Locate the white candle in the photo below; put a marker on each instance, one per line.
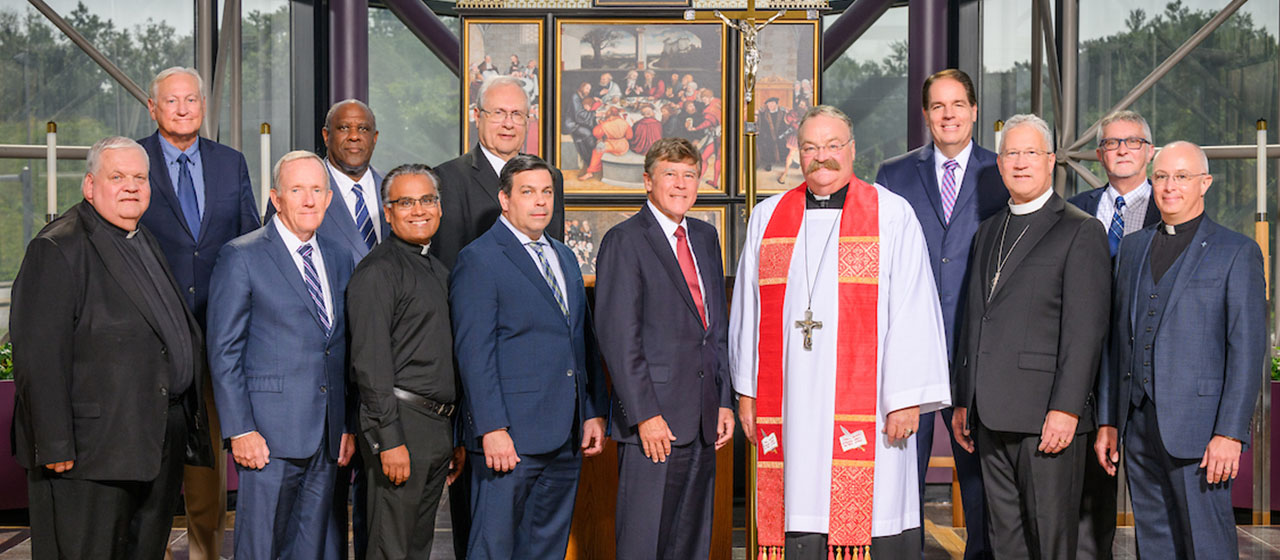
(51, 161)
(1262, 167)
(264, 181)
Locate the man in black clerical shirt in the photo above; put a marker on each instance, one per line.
(109, 366)
(402, 360)
(1179, 380)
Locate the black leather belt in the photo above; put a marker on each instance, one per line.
(442, 409)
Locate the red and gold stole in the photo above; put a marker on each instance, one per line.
(854, 432)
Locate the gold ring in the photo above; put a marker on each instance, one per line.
(1063, 441)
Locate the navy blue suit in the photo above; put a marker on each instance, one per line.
(1088, 201)
(527, 368)
(276, 371)
(913, 176)
(229, 212)
(1208, 352)
(663, 361)
(1098, 503)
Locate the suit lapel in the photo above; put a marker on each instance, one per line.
(160, 178)
(970, 182)
(382, 212)
(279, 254)
(114, 263)
(704, 250)
(662, 250)
(568, 268)
(1037, 227)
(331, 271)
(208, 167)
(929, 180)
(1200, 246)
(523, 262)
(483, 174)
(1145, 237)
(341, 217)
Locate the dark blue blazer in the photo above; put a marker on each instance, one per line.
(1088, 201)
(661, 359)
(230, 211)
(982, 194)
(523, 366)
(338, 223)
(274, 369)
(1210, 345)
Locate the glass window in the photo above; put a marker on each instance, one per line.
(413, 94)
(869, 83)
(1004, 88)
(1214, 96)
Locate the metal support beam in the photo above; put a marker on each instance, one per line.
(927, 53)
(1084, 173)
(847, 28)
(1159, 72)
(206, 34)
(1037, 60)
(39, 151)
(1069, 50)
(111, 69)
(349, 54)
(1051, 54)
(226, 77)
(427, 27)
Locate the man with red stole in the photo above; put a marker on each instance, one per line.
(836, 346)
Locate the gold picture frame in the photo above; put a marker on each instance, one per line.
(585, 226)
(522, 42)
(789, 58)
(608, 71)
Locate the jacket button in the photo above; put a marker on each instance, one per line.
(324, 389)
(699, 375)
(164, 350)
(326, 352)
(196, 254)
(946, 260)
(569, 373)
(191, 290)
(1128, 375)
(164, 391)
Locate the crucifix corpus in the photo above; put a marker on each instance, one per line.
(745, 22)
(806, 326)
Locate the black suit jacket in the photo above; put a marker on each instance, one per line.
(469, 204)
(230, 211)
(660, 358)
(1088, 201)
(91, 367)
(1036, 345)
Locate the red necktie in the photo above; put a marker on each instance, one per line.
(685, 256)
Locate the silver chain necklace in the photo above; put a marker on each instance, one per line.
(1001, 260)
(808, 324)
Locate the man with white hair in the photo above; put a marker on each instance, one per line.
(1188, 338)
(826, 380)
(202, 198)
(1035, 319)
(109, 367)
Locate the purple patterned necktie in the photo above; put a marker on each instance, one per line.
(948, 188)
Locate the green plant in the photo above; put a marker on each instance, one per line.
(6, 361)
(1275, 366)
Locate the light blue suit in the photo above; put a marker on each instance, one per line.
(276, 371)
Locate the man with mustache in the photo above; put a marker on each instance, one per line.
(1123, 206)
(825, 380)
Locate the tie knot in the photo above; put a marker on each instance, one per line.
(679, 232)
(537, 245)
(1119, 202)
(950, 165)
(359, 190)
(183, 159)
(305, 250)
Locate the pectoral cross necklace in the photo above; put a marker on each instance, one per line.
(1002, 258)
(808, 324)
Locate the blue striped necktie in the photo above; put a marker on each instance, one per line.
(363, 222)
(313, 285)
(550, 276)
(1116, 232)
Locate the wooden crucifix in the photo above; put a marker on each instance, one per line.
(748, 23)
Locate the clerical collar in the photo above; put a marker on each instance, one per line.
(1184, 228)
(1029, 207)
(834, 200)
(419, 249)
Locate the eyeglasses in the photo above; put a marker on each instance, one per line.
(407, 203)
(1015, 154)
(810, 150)
(1180, 178)
(346, 129)
(1132, 142)
(501, 115)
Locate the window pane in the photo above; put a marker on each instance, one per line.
(1214, 96)
(413, 94)
(1004, 88)
(869, 83)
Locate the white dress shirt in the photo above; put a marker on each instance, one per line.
(346, 188)
(961, 158)
(291, 242)
(547, 250)
(669, 230)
